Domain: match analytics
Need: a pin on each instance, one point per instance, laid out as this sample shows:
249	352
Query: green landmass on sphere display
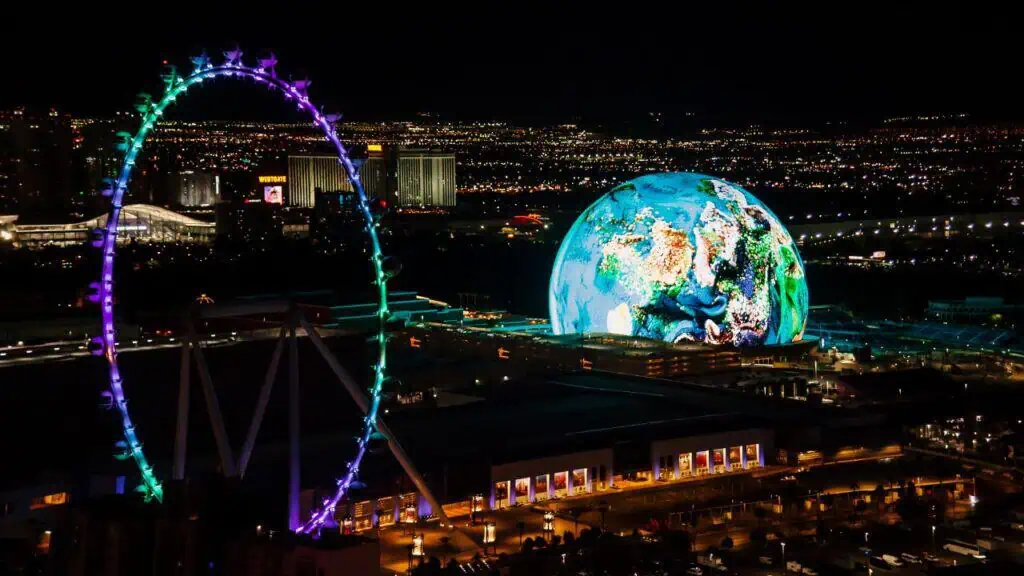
680	257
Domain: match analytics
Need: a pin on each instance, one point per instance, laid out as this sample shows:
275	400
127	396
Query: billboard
273	194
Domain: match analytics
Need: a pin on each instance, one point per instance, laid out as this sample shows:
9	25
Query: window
735	460
501	494
540	487
579	481
522	490
719	459
686	464
55	499
43	546
753	455
363	512
702	462
561	483
386	511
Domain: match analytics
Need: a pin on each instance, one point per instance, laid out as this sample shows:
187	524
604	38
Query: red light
165	62
383	203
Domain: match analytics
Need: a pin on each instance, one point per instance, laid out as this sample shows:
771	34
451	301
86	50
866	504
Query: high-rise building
39	165
426	178
196	188
405	177
336	222
374	172
306	174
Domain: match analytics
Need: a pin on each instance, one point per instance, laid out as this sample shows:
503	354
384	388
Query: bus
964	548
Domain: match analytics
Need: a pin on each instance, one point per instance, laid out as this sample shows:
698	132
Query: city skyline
539	294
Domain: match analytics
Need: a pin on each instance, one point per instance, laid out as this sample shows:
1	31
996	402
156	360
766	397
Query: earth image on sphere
680	257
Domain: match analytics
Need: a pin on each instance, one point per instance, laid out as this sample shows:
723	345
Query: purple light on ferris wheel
106	343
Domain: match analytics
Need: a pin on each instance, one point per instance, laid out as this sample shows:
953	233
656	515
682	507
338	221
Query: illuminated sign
414	342
273	179
502	354
273	194
374	148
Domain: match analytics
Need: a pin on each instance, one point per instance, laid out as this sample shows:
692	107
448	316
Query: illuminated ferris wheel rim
130	446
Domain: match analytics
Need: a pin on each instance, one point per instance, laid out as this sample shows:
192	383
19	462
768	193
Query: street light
933	537
783	553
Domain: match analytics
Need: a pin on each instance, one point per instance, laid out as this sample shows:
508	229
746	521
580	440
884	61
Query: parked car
878	563
892	560
907	557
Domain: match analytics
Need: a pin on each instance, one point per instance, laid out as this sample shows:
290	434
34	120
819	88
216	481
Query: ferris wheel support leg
261	404
294	519
360	399
220	433
181	431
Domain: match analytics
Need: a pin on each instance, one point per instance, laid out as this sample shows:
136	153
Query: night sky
833	62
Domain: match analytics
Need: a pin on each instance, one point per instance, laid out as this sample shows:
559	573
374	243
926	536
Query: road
60	351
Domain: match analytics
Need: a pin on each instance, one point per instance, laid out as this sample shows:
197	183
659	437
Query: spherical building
680	257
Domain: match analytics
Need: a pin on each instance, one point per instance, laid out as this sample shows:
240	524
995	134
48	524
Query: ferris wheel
130	447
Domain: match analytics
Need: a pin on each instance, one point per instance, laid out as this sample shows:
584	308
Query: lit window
55	499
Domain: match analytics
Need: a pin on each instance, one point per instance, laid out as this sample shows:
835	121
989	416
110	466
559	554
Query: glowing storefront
710	454
581	473
552	477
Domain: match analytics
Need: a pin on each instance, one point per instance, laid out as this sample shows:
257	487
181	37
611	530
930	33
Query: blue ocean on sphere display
680	257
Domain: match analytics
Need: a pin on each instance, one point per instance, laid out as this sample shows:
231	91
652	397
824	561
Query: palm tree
880	496
575	512
444	549
760	514
603	508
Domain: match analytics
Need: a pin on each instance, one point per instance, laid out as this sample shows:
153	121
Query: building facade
586	472
308	173
415	178
193	189
426	178
138	222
